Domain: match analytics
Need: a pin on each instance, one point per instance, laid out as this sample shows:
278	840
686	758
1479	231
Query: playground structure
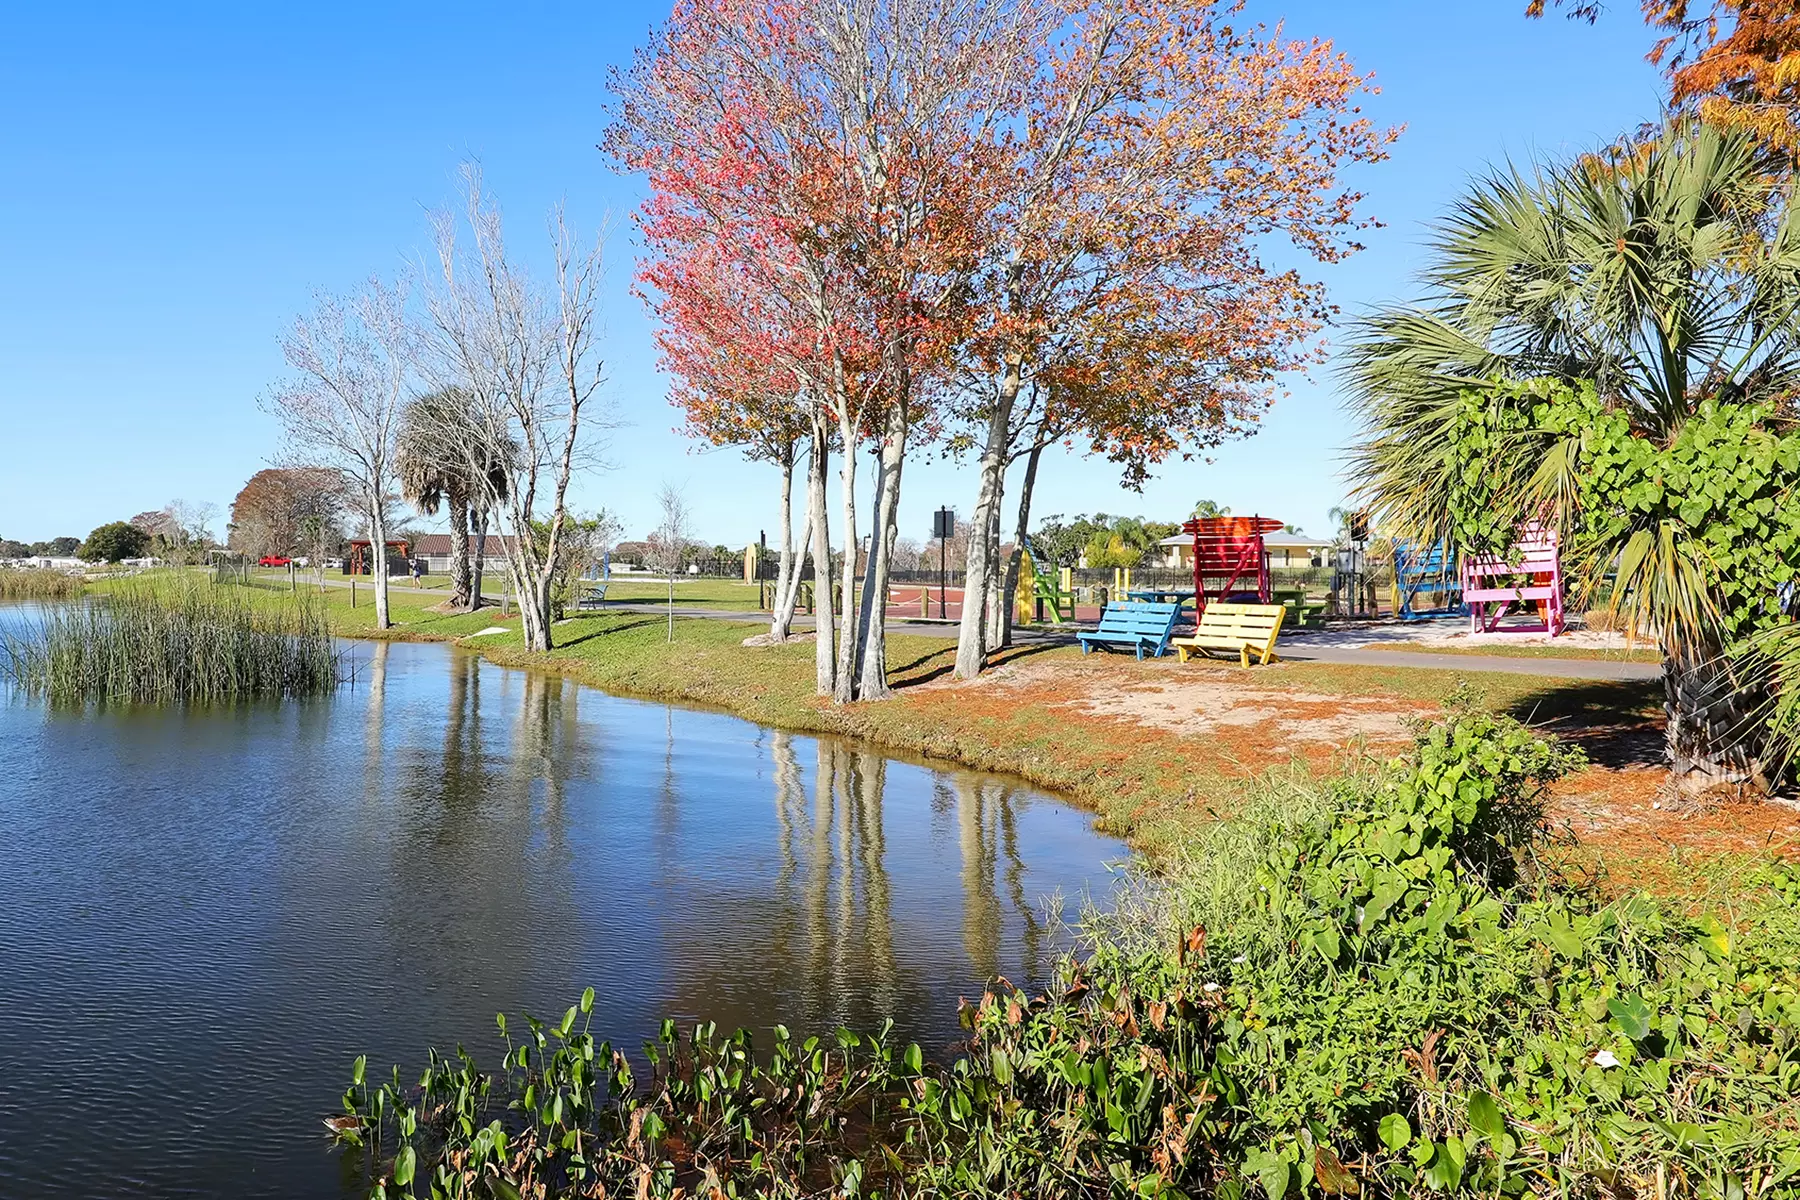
1427	582
1231	564
1490	593
361	559
1054	595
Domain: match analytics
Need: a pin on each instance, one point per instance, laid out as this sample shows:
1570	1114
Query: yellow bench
1243	629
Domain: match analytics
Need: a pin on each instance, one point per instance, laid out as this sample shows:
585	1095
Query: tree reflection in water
824	945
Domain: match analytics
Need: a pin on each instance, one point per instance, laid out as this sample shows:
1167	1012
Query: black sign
943	523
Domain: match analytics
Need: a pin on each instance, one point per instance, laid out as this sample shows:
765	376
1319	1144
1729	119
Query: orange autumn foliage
1735	62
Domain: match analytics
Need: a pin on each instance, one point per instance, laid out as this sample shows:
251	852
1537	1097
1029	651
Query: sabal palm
436	468
1667	280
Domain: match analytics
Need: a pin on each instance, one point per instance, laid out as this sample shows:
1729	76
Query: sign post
943	527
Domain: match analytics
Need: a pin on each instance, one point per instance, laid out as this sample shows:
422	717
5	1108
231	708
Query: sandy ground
1454	631
1203	701
1621	806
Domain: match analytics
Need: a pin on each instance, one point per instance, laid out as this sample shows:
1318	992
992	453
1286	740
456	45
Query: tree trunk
778	624
1714	734
458	505
996	603
481	528
845	691
787	599
379	567
1021	531
824	650
872	624
971	638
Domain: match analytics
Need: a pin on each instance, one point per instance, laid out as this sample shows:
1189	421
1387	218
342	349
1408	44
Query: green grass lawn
721	593
730	594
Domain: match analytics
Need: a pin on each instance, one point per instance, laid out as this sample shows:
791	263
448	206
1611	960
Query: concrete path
1302	647
1334	646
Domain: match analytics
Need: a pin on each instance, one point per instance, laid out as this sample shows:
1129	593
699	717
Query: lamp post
943	526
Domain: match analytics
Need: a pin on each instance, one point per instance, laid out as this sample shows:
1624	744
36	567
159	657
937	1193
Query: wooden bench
1140	626
1242	629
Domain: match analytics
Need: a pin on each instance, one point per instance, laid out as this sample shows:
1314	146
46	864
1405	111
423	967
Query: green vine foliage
1702	529
1371	989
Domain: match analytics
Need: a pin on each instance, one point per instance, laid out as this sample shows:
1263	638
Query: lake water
205	915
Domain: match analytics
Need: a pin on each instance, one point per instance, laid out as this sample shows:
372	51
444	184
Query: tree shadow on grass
939	663
564	643
1619	723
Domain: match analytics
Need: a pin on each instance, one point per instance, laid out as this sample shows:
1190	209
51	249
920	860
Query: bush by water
1367	987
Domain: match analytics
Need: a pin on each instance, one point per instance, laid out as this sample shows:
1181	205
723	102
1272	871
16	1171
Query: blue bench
1140	626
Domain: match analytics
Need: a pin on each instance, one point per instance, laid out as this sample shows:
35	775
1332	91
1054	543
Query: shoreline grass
31	584
194	642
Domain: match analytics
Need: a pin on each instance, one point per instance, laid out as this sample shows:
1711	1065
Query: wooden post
353	591
925	600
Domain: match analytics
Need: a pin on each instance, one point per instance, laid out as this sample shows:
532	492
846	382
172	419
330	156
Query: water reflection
236	902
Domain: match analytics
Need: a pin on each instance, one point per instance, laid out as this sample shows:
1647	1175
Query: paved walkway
1302	647
1334	646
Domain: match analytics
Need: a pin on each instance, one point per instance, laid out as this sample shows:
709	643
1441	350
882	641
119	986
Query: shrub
114	542
1367	987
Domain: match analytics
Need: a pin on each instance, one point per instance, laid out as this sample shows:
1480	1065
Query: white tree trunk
845	691
872	622
379	568
788	598
971	639
995	606
824	650
786	569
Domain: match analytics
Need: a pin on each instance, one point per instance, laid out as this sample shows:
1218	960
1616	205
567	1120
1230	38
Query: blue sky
176	179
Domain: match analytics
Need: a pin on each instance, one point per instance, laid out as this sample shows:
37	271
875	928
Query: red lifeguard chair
1231	564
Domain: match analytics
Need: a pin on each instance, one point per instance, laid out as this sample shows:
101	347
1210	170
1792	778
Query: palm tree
1667	279
435	469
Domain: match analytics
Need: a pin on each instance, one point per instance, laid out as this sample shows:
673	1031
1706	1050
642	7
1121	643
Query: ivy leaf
1485	1118
1631	1015
1395	1131
1444	1172
1563	936
1717	938
1271	1170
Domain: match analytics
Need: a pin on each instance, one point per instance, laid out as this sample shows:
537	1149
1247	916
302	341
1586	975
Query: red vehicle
273	560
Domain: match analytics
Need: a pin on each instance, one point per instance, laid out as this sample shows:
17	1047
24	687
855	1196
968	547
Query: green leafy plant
1367	987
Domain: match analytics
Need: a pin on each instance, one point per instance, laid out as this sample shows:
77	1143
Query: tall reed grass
191	642
32	584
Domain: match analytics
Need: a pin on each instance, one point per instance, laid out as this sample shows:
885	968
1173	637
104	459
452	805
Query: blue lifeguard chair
1427	582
